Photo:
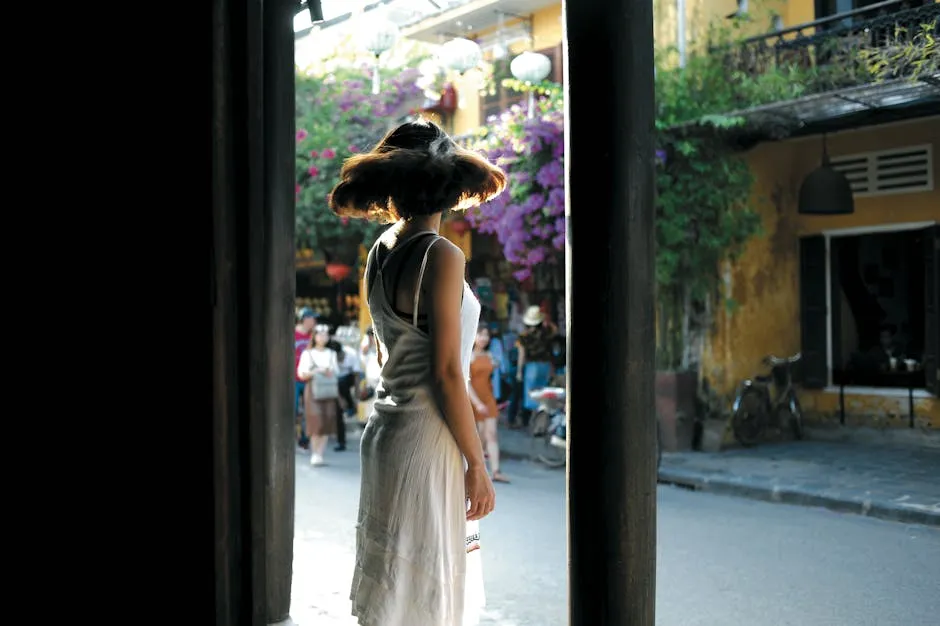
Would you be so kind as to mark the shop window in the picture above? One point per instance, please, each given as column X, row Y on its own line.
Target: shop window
column 880, row 328
column 502, row 98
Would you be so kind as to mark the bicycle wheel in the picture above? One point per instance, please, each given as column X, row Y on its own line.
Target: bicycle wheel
column 549, row 454
column 539, row 423
column 750, row 420
column 796, row 418
column 551, row 448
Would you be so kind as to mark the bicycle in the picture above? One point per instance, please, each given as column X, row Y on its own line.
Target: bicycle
column 754, row 406
column 548, row 428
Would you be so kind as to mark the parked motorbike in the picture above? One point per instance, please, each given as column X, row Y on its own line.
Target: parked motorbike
column 548, row 426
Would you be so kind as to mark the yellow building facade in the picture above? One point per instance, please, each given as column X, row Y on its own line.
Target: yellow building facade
column 765, row 282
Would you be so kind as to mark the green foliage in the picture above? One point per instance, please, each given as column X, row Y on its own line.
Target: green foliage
column 705, row 203
column 911, row 55
column 337, row 116
column 705, row 207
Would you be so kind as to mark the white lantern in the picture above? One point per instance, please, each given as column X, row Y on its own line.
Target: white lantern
column 381, row 35
column 531, row 67
column 460, row 54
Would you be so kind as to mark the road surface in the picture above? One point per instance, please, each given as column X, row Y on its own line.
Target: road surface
column 721, row 561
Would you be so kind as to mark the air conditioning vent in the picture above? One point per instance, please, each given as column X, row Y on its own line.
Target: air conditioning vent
column 902, row 170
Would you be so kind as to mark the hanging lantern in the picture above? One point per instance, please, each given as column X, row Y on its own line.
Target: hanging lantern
column 338, row 271
column 531, row 68
column 460, row 55
column 826, row 191
column 380, row 36
column 460, row 226
column 448, row 101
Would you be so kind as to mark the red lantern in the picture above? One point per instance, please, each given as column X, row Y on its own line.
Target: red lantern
column 460, row 226
column 448, row 101
column 338, row 271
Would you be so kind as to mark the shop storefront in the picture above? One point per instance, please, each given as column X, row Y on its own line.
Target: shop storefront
column 329, row 289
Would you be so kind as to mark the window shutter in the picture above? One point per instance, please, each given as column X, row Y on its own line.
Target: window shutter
column 813, row 322
column 901, row 170
column 932, row 309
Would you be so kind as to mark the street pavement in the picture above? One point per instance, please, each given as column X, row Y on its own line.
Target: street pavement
column 722, row 561
column 898, row 483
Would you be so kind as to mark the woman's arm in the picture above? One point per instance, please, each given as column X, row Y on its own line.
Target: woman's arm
column 444, row 321
column 520, row 362
column 447, row 266
column 305, row 367
column 475, row 399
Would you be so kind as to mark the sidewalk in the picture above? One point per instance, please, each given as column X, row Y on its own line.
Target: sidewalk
column 892, row 483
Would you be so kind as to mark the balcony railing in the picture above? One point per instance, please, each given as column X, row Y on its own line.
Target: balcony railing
column 836, row 52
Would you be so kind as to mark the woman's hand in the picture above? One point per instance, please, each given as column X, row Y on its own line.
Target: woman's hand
column 481, row 408
column 480, row 493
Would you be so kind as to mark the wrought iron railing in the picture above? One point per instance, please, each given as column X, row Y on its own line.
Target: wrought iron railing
column 837, row 51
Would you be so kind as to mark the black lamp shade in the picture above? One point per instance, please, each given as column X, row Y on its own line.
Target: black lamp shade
column 826, row 192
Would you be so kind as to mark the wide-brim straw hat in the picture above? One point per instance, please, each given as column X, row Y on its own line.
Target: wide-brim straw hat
column 533, row 316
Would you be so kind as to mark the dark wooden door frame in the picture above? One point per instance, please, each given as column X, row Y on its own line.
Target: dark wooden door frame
column 252, row 269
column 611, row 478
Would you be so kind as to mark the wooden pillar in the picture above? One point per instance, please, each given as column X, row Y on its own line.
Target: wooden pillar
column 610, row 308
column 273, row 294
column 252, row 261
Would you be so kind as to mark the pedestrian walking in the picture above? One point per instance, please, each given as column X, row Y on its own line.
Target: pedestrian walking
column 319, row 369
column 483, row 398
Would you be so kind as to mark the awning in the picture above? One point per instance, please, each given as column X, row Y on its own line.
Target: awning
column 831, row 111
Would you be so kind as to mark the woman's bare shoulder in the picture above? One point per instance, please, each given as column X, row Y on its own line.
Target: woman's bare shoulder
column 446, row 254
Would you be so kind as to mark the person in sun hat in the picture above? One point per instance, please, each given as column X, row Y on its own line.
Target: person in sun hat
column 534, row 364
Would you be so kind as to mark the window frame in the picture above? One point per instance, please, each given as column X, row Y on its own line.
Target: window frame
column 827, row 236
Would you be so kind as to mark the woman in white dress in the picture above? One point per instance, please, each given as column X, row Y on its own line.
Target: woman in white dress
column 424, row 481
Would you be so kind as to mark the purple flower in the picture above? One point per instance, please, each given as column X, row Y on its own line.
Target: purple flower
column 551, row 175
column 522, row 274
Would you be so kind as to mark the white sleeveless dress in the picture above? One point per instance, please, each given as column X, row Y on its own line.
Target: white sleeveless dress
column 412, row 565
